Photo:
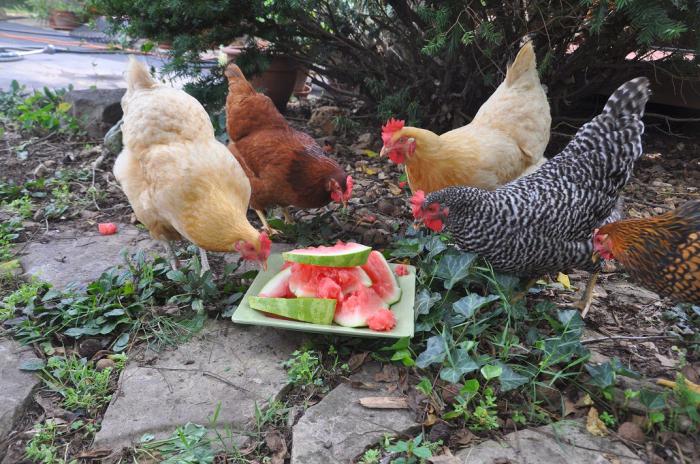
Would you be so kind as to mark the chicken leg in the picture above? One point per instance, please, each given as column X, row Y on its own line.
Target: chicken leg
column 266, row 226
column 585, row 303
column 288, row 219
column 172, row 257
column 205, row 260
column 520, row 295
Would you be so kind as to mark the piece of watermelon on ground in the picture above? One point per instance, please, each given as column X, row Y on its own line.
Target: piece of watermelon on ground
column 339, row 255
column 384, row 281
column 326, row 282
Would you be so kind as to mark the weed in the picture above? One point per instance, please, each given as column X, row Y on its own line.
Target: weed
column 303, row 369
column 41, row 111
column 412, row 451
column 371, row 456
column 25, row 296
column 9, row 232
column 608, row 419
column 21, row 207
column 81, row 385
column 273, row 414
column 59, row 203
column 51, row 439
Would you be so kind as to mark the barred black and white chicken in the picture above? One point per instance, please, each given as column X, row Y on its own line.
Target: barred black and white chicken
column 544, row 222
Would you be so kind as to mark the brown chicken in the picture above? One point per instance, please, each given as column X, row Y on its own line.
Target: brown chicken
column 285, row 167
column 662, row 252
column 180, row 180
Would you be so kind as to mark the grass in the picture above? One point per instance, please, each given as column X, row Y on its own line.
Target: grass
column 313, row 371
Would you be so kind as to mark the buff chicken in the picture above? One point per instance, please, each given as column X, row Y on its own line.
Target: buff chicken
column 182, row 182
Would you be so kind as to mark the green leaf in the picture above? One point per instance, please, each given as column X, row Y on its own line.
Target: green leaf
column 114, row 312
column 435, row 246
column 602, row 375
column 461, row 364
column 510, row 379
column 31, row 365
column 426, row 300
column 491, row 371
column 467, row 306
column 422, row 452
column 121, row 343
column 404, row 356
column 75, row 332
column 425, row 386
column 470, row 387
column 455, row 268
column 401, row 344
column 399, row 447
column 651, row 399
column 434, row 352
column 176, row 275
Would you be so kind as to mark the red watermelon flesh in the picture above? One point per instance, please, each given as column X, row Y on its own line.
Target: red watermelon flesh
column 381, row 320
column 384, row 281
column 325, row 282
column 358, row 307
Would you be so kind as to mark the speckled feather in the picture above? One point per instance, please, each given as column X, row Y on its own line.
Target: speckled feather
column 543, row 222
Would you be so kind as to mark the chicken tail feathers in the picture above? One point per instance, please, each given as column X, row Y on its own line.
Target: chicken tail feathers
column 630, row 98
column 237, row 83
column 137, row 76
column 524, row 62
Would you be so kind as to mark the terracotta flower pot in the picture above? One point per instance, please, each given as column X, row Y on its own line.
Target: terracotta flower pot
column 300, row 83
column 302, row 94
column 63, row 20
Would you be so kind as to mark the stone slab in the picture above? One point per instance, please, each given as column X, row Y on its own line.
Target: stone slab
column 234, row 366
column 565, row 442
column 338, row 429
column 69, row 255
column 15, row 386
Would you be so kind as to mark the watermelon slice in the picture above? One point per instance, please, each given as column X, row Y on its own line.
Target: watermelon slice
column 326, row 282
column 384, row 281
column 358, row 307
column 339, row 255
column 278, row 286
column 313, row 310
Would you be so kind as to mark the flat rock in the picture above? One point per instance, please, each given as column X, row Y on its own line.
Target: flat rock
column 96, row 110
column 15, row 386
column 338, row 429
column 69, row 255
column 565, row 442
column 226, row 365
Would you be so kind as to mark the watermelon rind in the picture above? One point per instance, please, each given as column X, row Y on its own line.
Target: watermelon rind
column 346, row 255
column 313, row 310
column 388, row 275
column 277, row 285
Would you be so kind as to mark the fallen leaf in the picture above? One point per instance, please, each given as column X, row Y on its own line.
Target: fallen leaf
column 569, row 407
column 357, row 360
column 564, row 280
column 665, row 360
column 389, row 373
column 95, row 453
column 370, row 171
column 276, row 443
column 585, row 400
column 365, row 385
column 395, row 189
column 370, row 153
column 384, row 402
column 594, row 425
column 463, row 437
column 444, row 459
column 430, row 419
column 631, row 431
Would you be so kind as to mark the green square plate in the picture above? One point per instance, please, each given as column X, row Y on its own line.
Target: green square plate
column 403, row 309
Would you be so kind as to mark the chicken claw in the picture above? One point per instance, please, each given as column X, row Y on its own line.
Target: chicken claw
column 174, row 261
column 204, row 260
column 288, row 219
column 266, row 227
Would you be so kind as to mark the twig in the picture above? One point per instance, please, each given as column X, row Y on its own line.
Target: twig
column 622, row 337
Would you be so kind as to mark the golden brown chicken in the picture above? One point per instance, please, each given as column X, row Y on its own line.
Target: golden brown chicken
column 505, row 140
column 662, row 252
column 181, row 181
column 285, row 167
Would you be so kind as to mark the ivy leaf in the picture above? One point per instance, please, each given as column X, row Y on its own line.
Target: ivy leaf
column 491, row 371
column 602, row 375
column 455, row 268
column 425, row 300
column 651, row 399
column 510, row 379
column 434, row 352
column 121, row 343
column 32, row 365
column 467, row 306
column 462, row 364
column 435, row 246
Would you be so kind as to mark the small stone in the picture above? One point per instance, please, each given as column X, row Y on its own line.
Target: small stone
column 103, row 364
column 323, row 118
column 40, row 171
column 328, row 444
column 386, row 207
column 631, row 431
column 88, row 347
column 96, row 109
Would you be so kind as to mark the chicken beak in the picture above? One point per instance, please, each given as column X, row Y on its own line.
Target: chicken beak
column 384, row 151
column 263, row 265
column 596, row 257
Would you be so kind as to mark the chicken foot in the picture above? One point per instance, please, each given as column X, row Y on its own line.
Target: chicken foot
column 585, row 303
column 288, row 219
column 172, row 257
column 266, row 226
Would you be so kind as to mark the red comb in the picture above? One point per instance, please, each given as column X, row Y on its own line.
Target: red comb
column 391, row 126
column 417, row 201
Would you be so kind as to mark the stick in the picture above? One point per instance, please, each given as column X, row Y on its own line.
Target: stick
column 623, row 337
